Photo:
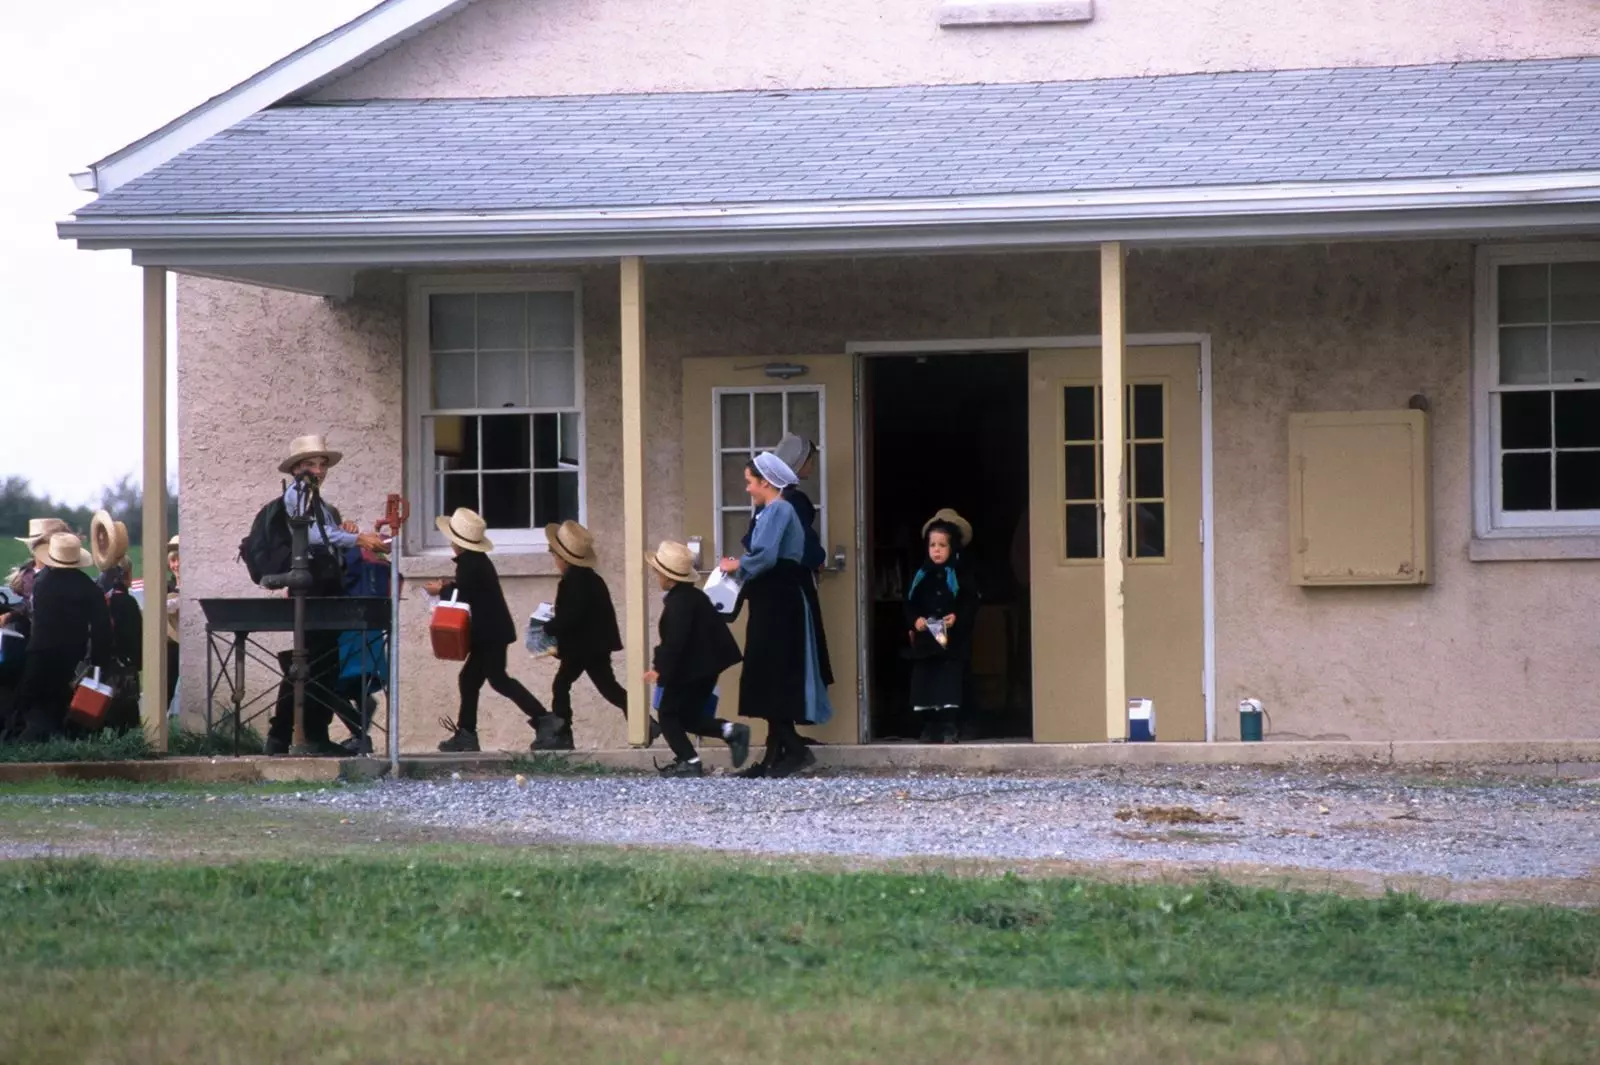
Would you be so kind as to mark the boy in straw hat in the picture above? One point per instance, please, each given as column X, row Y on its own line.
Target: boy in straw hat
column 585, row 631
column 108, row 544
column 695, row 648
column 70, row 623
column 478, row 583
column 21, row 579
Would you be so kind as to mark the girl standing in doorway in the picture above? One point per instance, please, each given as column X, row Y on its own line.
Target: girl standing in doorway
column 786, row 671
column 941, row 606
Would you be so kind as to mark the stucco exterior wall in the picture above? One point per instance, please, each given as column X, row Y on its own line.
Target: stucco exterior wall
column 561, row 47
column 1490, row 650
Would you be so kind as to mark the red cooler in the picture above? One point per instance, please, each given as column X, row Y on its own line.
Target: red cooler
column 90, row 700
column 451, row 630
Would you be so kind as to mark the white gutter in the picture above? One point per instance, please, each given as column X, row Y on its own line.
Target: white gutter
column 1442, row 207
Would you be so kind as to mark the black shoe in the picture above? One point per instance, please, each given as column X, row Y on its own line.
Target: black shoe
column 461, row 741
column 356, row 746
column 682, row 768
column 951, row 734
column 275, row 746
column 551, row 733
column 792, row 763
column 931, row 732
column 754, row 772
column 325, row 749
column 738, row 741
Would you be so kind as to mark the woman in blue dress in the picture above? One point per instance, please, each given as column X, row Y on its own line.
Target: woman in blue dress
column 786, row 671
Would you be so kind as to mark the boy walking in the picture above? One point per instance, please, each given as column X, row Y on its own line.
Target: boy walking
column 695, row 648
column 478, row 583
column 585, row 630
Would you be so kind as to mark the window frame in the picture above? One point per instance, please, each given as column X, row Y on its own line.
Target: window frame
column 1489, row 521
column 1130, row 557
column 422, row 537
column 718, row 508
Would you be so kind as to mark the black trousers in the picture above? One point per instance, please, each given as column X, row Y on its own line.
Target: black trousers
column 172, row 672
column 488, row 664
column 683, row 714
column 600, row 674
column 39, row 711
column 322, row 691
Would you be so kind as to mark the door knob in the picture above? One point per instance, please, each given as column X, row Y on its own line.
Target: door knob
column 838, row 560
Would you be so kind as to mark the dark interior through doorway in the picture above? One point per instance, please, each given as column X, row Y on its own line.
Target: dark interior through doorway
column 949, row 430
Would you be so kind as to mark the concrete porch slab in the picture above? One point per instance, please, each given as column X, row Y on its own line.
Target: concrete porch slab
column 1555, row 757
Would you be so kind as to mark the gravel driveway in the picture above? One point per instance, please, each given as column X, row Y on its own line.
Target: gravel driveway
column 1460, row 829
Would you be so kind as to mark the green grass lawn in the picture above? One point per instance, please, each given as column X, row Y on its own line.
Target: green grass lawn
column 486, row 954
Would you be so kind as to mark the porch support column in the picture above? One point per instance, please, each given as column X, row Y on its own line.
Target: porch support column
column 154, row 538
column 1113, row 476
column 636, row 622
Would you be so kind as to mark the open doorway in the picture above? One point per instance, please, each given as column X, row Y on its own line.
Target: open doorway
column 948, row 430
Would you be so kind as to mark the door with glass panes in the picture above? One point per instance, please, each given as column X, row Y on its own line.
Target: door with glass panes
column 1164, row 574
column 731, row 411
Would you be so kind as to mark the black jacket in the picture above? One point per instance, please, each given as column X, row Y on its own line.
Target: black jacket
column 585, row 623
column 478, row 583
column 931, row 596
column 127, row 641
column 695, row 641
column 70, row 619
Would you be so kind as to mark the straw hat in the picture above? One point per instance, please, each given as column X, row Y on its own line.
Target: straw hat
column 172, row 546
column 465, row 530
column 950, row 517
column 572, row 543
column 40, row 530
column 65, row 551
column 673, row 561
column 108, row 540
column 309, row 447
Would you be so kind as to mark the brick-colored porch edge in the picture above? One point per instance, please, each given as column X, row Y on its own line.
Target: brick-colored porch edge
column 1555, row 756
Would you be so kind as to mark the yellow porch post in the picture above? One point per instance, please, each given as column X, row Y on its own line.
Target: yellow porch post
column 154, row 540
column 1113, row 477
column 636, row 621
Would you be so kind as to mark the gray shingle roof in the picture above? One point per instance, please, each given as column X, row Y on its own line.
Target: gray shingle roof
column 917, row 141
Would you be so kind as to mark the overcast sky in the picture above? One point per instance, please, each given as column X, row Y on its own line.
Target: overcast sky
column 80, row 80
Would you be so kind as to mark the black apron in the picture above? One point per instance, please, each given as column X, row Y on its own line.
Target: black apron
column 773, row 684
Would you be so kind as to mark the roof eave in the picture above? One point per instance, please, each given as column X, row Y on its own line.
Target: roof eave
column 1468, row 207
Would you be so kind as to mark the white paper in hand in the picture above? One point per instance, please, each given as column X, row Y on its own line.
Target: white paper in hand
column 723, row 591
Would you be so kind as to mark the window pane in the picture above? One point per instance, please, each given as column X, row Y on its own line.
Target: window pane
column 453, row 382
column 1524, row 293
column 502, row 379
column 1079, row 412
column 735, row 523
column 734, row 416
column 1524, row 420
column 505, row 501
column 555, row 444
column 550, row 320
column 804, row 415
column 502, row 321
column 733, row 493
column 555, row 381
column 451, row 322
column 1081, row 461
column 1578, row 480
column 1149, row 473
column 458, row 490
column 1574, row 353
column 571, row 440
column 506, row 443
column 1083, row 530
column 1575, row 292
column 1149, row 530
column 1524, row 355
column 769, row 420
column 1525, row 481
column 1577, row 419
column 555, row 498
column 454, row 441
column 1147, row 413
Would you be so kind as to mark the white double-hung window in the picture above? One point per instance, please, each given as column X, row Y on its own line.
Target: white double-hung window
column 496, row 404
column 1537, row 390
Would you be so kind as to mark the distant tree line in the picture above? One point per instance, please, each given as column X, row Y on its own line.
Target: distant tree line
column 124, row 500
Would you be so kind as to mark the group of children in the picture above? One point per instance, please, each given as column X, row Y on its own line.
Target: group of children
column 696, row 646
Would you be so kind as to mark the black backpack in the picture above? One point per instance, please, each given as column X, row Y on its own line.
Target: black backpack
column 267, row 549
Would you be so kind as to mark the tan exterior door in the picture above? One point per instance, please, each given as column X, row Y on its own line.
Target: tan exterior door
column 1164, row 582
column 731, row 410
